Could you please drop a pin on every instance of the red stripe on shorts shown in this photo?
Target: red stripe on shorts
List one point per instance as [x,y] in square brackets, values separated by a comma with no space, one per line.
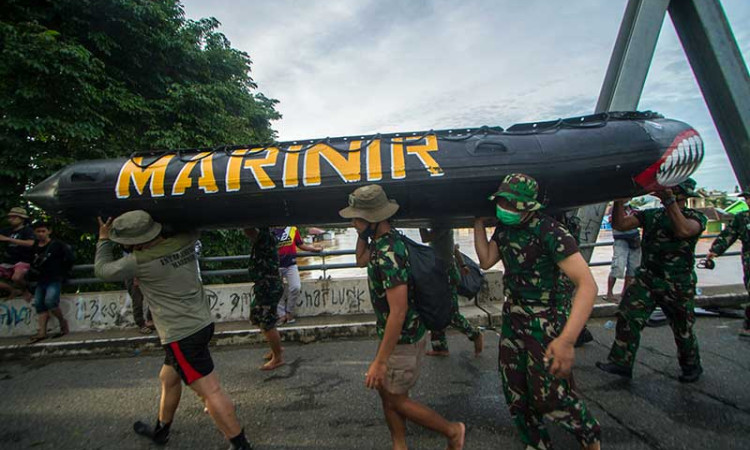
[190,373]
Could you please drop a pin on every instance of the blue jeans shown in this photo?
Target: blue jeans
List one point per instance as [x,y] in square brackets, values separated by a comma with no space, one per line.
[47,296]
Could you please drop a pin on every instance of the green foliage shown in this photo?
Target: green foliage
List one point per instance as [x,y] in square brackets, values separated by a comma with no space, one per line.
[89,79]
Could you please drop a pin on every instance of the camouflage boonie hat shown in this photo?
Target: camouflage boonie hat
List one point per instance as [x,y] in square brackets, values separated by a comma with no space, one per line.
[521,190]
[688,188]
[134,228]
[369,203]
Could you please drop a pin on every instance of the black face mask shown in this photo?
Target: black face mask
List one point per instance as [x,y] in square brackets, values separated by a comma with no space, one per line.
[368,232]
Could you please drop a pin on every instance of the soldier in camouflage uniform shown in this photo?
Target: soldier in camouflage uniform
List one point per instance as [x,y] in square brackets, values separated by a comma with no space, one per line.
[666,278]
[267,291]
[396,366]
[536,343]
[565,286]
[441,240]
[739,228]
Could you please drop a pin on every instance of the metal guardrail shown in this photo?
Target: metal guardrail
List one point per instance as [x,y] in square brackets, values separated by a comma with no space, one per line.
[323,266]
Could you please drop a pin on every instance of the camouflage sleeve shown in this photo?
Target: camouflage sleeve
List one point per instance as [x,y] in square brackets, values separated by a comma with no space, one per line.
[496,235]
[573,223]
[698,217]
[727,237]
[557,241]
[391,264]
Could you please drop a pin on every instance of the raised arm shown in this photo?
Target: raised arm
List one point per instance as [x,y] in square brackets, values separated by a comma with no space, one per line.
[683,227]
[362,253]
[106,267]
[620,221]
[487,251]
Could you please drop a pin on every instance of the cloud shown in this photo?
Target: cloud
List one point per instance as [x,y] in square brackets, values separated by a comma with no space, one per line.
[345,67]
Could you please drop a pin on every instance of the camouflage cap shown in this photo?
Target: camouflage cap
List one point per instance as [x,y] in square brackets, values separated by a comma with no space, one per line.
[369,203]
[134,228]
[688,188]
[521,190]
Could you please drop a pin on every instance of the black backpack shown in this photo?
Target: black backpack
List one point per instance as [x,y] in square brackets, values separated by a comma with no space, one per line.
[471,283]
[431,285]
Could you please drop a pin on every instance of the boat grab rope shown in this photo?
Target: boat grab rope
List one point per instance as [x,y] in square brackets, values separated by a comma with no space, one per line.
[405,139]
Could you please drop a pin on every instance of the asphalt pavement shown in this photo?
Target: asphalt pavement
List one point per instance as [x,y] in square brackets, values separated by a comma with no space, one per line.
[318,400]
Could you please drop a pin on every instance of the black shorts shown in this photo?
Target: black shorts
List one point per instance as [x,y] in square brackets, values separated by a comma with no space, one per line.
[190,356]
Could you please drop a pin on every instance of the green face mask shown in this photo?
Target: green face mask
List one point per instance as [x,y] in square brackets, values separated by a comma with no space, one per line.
[508,217]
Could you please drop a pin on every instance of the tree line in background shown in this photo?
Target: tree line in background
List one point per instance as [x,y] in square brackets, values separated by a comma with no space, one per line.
[91,79]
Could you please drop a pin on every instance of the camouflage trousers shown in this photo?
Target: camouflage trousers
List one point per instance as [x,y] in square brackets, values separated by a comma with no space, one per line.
[266,296]
[531,392]
[638,303]
[459,322]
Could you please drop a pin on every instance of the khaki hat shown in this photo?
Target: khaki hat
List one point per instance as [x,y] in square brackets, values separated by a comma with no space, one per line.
[18,212]
[133,228]
[369,203]
[521,190]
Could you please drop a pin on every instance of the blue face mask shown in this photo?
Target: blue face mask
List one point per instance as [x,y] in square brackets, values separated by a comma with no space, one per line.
[508,217]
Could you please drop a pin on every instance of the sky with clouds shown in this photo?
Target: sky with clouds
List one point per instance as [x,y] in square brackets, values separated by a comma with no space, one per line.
[346,67]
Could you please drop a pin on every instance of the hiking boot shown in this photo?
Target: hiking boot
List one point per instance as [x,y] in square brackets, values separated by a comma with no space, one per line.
[690,374]
[615,369]
[158,434]
[584,337]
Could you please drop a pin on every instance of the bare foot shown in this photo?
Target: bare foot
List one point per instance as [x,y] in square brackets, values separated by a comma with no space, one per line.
[456,441]
[272,364]
[438,353]
[611,298]
[478,344]
[269,355]
[594,446]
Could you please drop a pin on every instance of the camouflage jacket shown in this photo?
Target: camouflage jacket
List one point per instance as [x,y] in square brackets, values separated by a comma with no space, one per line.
[739,228]
[264,259]
[665,256]
[388,268]
[530,253]
[566,288]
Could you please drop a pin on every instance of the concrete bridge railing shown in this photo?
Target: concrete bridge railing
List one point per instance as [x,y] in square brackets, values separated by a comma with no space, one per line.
[89,311]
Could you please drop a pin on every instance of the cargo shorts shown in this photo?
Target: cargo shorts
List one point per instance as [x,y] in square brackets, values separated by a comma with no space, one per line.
[403,367]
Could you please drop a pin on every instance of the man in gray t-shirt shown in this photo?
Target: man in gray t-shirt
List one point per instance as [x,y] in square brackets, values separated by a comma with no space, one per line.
[626,256]
[168,275]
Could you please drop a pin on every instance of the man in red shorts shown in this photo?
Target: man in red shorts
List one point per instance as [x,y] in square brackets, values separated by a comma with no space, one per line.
[168,275]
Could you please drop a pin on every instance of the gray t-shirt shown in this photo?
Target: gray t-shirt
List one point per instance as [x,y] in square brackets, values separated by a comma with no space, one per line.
[169,278]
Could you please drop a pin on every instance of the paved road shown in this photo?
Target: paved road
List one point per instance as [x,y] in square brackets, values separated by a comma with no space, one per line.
[318,400]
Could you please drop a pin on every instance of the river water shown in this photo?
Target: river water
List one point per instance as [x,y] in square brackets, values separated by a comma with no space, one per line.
[728,269]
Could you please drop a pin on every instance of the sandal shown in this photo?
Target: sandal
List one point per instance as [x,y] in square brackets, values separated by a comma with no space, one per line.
[146,330]
[37,338]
